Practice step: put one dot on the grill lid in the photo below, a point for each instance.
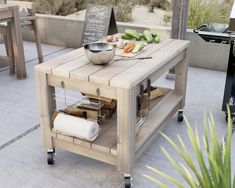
(215, 32)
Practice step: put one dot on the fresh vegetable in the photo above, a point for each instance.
(121, 44)
(138, 48)
(148, 36)
(126, 37)
(129, 47)
(133, 34)
(154, 34)
(157, 39)
(109, 38)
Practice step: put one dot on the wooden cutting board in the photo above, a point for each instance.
(120, 52)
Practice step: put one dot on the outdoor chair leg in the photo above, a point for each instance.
(38, 42)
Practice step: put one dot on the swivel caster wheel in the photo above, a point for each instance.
(127, 181)
(50, 156)
(180, 117)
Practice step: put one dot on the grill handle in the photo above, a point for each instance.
(199, 28)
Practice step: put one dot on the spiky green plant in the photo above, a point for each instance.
(218, 172)
(208, 11)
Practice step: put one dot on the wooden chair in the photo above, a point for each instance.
(28, 22)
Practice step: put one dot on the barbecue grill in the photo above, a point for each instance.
(225, 34)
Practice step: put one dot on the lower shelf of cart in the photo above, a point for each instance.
(104, 148)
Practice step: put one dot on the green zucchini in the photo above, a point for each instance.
(126, 37)
(148, 36)
(133, 34)
(138, 48)
(157, 39)
(154, 34)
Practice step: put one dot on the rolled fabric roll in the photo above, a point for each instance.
(75, 126)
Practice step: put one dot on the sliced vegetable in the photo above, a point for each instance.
(157, 39)
(129, 47)
(148, 36)
(138, 48)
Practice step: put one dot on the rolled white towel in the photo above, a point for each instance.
(75, 126)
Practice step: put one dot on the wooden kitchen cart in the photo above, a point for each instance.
(118, 144)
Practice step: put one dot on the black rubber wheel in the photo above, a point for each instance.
(50, 158)
(127, 182)
(180, 116)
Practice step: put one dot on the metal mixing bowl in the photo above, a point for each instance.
(100, 53)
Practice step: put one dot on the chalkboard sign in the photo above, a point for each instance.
(99, 22)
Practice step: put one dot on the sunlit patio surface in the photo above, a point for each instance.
(23, 160)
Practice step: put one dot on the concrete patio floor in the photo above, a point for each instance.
(23, 158)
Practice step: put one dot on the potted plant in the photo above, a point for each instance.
(214, 168)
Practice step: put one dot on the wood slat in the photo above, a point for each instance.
(83, 143)
(85, 151)
(105, 142)
(55, 62)
(82, 86)
(65, 69)
(142, 70)
(84, 72)
(156, 117)
(65, 138)
(104, 75)
(114, 150)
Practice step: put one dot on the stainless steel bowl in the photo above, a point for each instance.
(100, 53)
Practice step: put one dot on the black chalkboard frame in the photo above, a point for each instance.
(104, 17)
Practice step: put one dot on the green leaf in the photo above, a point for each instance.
(190, 162)
(234, 181)
(227, 155)
(163, 185)
(191, 180)
(206, 133)
(166, 176)
(194, 139)
(177, 167)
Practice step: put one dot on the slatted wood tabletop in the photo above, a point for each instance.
(126, 74)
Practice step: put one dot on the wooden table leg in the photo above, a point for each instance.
(126, 121)
(181, 70)
(47, 106)
(18, 49)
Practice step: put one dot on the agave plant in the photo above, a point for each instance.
(214, 168)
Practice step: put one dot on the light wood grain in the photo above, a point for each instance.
(106, 74)
(46, 107)
(65, 69)
(181, 72)
(55, 62)
(126, 121)
(140, 71)
(105, 142)
(110, 159)
(65, 138)
(82, 86)
(156, 117)
(84, 72)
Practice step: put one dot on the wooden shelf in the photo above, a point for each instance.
(106, 143)
(103, 145)
(156, 116)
